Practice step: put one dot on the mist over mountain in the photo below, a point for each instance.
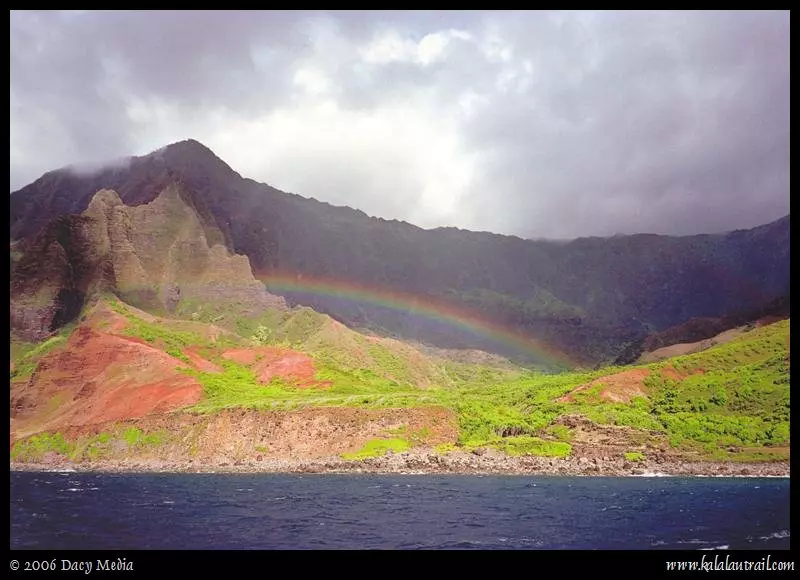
(591, 297)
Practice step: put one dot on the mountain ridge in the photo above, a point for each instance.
(165, 350)
(192, 149)
(624, 286)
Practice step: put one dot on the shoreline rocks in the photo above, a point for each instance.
(428, 462)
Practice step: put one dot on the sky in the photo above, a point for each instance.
(535, 124)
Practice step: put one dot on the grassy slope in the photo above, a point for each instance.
(25, 355)
(737, 409)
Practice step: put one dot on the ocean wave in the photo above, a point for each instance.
(738, 476)
(780, 535)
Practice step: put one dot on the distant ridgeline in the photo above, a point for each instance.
(697, 329)
(590, 298)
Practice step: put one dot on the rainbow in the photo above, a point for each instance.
(427, 307)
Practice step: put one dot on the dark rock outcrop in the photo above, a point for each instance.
(59, 268)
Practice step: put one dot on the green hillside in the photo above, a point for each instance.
(730, 402)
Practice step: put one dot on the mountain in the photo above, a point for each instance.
(697, 330)
(153, 255)
(143, 338)
(592, 297)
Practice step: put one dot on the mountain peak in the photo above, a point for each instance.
(189, 151)
(191, 158)
(189, 145)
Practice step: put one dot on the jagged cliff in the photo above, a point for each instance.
(151, 255)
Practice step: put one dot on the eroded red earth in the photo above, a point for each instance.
(97, 377)
(624, 386)
(269, 362)
(199, 362)
(100, 375)
(669, 372)
(619, 387)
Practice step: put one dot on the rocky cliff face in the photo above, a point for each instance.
(59, 267)
(152, 255)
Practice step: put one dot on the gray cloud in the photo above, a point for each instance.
(675, 126)
(539, 124)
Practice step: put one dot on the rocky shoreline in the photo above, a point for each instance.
(428, 463)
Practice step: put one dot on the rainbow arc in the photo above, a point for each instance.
(424, 306)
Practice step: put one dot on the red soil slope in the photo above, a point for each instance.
(624, 386)
(269, 362)
(199, 362)
(618, 388)
(98, 377)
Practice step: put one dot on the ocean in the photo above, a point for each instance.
(89, 511)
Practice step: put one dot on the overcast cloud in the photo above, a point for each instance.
(538, 124)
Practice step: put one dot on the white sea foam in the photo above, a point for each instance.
(776, 535)
(745, 476)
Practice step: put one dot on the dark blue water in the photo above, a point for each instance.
(226, 511)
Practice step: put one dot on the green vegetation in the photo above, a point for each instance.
(730, 402)
(134, 437)
(377, 448)
(26, 355)
(236, 386)
(445, 448)
(120, 442)
(560, 432)
(171, 341)
(634, 456)
(105, 445)
(20, 348)
(167, 335)
(526, 445)
(273, 327)
(738, 396)
(740, 399)
(36, 446)
(420, 437)
(390, 362)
